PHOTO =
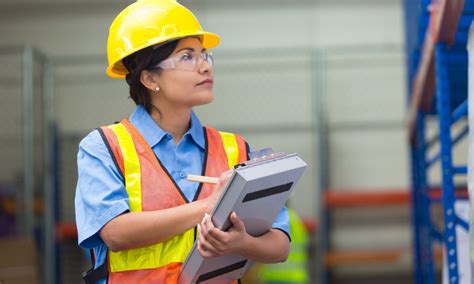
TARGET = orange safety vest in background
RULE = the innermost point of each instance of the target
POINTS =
(150, 187)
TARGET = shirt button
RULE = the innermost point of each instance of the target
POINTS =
(182, 175)
(168, 136)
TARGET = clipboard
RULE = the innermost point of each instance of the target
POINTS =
(256, 191)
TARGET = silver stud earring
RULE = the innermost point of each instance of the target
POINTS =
(157, 89)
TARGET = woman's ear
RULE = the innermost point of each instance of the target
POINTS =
(149, 80)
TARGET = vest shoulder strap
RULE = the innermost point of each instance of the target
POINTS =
(235, 147)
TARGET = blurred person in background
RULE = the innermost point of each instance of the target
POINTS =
(135, 210)
(295, 269)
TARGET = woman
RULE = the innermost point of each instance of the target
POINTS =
(134, 207)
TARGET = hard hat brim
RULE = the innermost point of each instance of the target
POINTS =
(209, 40)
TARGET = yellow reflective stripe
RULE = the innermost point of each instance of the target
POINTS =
(297, 257)
(131, 166)
(298, 248)
(295, 276)
(294, 269)
(173, 250)
(299, 235)
(286, 271)
(231, 148)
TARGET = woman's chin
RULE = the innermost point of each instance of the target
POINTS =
(204, 99)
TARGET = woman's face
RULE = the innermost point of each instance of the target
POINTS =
(184, 85)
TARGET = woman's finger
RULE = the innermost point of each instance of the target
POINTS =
(205, 241)
(218, 235)
(208, 222)
(224, 178)
(237, 224)
(202, 229)
(211, 241)
(206, 246)
(203, 252)
(217, 243)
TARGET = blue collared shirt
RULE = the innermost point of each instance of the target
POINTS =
(100, 191)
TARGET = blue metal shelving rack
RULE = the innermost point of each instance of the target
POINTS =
(437, 84)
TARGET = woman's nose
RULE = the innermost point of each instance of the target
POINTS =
(204, 66)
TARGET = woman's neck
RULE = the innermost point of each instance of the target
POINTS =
(172, 120)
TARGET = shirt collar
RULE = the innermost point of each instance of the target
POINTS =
(152, 132)
(197, 131)
(148, 128)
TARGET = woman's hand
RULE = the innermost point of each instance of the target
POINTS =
(218, 189)
(213, 242)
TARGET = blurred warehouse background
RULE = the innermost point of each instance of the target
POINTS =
(324, 78)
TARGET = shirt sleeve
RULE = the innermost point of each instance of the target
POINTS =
(282, 222)
(100, 191)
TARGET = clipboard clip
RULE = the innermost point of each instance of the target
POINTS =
(260, 155)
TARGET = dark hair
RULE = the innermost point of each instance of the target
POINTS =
(144, 59)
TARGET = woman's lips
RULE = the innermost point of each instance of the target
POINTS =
(207, 82)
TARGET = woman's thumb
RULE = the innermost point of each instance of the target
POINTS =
(238, 224)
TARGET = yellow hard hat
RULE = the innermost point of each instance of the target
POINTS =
(150, 22)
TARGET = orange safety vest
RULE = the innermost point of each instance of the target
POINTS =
(150, 187)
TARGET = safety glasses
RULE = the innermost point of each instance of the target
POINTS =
(188, 61)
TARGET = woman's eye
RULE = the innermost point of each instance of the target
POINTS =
(186, 57)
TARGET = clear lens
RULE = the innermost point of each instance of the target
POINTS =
(187, 61)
